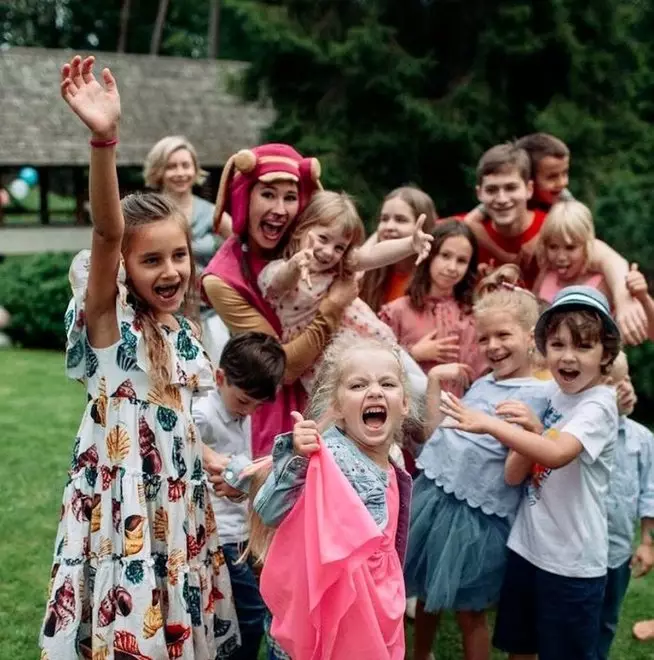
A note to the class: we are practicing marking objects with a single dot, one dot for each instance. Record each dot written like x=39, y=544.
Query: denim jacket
x=284, y=485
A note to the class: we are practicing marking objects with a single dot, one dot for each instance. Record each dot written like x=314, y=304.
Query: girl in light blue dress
x=462, y=508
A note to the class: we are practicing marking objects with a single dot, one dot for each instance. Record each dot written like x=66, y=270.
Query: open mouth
x=167, y=291
x=374, y=417
x=322, y=261
x=569, y=375
x=497, y=359
x=272, y=230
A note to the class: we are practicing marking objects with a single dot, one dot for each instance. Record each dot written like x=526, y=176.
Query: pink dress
x=332, y=579
x=551, y=285
x=443, y=316
x=297, y=308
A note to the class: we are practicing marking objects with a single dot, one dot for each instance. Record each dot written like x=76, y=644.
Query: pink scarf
x=332, y=580
x=270, y=419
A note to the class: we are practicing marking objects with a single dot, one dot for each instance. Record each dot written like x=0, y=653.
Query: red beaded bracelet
x=103, y=143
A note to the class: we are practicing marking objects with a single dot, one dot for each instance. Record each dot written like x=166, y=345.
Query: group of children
x=527, y=479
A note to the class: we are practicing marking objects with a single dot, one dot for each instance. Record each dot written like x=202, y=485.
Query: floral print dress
x=138, y=573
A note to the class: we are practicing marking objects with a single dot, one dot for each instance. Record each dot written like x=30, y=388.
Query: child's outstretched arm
x=637, y=287
x=550, y=450
x=288, y=274
x=454, y=372
x=628, y=312
x=371, y=256
x=98, y=107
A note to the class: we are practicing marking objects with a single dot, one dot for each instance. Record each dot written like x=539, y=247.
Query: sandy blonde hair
x=157, y=158
x=140, y=210
x=329, y=209
x=373, y=285
x=569, y=221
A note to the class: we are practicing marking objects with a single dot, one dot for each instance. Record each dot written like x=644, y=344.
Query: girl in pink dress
x=434, y=322
x=565, y=251
x=332, y=575
x=325, y=245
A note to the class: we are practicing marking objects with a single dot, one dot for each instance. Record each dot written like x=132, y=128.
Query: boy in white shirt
x=553, y=589
x=251, y=369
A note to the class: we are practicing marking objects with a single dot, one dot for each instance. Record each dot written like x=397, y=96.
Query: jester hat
x=265, y=163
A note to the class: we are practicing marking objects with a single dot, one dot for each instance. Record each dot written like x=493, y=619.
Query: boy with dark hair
x=508, y=232
x=250, y=373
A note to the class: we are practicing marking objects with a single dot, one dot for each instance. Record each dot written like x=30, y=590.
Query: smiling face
x=180, y=173
x=158, y=264
x=370, y=400
x=574, y=354
x=329, y=246
x=566, y=257
x=396, y=220
x=551, y=178
x=505, y=196
x=273, y=206
x=449, y=265
x=505, y=344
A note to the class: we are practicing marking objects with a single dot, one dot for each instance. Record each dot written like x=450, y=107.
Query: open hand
x=516, y=412
x=420, y=240
x=306, y=437
x=464, y=419
x=97, y=106
x=431, y=347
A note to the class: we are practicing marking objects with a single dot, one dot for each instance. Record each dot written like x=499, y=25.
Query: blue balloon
x=29, y=175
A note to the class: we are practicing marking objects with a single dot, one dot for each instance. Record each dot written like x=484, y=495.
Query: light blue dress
x=462, y=508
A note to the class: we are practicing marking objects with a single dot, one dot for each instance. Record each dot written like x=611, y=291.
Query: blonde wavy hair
x=329, y=209
x=141, y=210
x=570, y=222
x=157, y=158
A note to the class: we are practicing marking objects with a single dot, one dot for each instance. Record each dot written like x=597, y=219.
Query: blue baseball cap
x=576, y=298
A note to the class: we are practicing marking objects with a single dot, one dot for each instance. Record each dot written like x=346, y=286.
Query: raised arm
x=98, y=107
x=628, y=312
x=638, y=288
x=377, y=255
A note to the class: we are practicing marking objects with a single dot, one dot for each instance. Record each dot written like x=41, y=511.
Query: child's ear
x=220, y=377
x=478, y=192
x=405, y=405
x=530, y=189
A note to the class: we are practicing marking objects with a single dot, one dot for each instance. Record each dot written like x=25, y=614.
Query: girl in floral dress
x=138, y=572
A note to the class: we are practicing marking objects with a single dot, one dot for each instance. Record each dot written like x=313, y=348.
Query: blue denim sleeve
x=284, y=484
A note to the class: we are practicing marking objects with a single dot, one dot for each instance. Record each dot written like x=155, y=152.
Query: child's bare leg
x=424, y=629
x=476, y=636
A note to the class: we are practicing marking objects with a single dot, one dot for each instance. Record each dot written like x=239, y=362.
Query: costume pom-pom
x=245, y=161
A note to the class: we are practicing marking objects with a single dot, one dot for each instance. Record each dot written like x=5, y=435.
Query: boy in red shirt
x=508, y=230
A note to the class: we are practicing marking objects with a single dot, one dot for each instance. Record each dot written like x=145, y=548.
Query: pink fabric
x=443, y=316
x=269, y=419
x=332, y=580
x=550, y=285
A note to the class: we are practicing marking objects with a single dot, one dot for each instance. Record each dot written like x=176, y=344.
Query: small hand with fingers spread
x=431, y=347
x=465, y=419
x=96, y=105
x=306, y=437
x=636, y=283
x=456, y=372
x=421, y=241
x=516, y=412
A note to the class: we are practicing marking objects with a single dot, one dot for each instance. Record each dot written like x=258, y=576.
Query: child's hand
x=627, y=398
x=643, y=560
x=223, y=489
x=431, y=347
x=421, y=241
x=214, y=463
x=636, y=283
x=97, y=106
x=465, y=419
x=301, y=261
x=343, y=291
x=516, y=412
x=455, y=371
x=305, y=435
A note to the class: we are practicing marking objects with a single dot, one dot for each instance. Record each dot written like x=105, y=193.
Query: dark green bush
x=34, y=289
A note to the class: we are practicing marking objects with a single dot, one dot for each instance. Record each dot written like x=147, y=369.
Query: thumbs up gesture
x=421, y=241
x=636, y=283
x=306, y=436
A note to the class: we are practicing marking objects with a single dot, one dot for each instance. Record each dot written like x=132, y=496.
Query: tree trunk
x=124, y=23
x=213, y=37
x=155, y=44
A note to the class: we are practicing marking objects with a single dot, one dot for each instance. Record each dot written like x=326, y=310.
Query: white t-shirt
x=561, y=524
x=225, y=434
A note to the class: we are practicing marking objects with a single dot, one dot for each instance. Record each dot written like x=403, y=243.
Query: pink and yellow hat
x=266, y=163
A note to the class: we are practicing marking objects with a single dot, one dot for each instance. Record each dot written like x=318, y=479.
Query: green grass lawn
x=39, y=411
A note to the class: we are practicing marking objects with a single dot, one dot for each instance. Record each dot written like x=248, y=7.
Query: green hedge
x=34, y=289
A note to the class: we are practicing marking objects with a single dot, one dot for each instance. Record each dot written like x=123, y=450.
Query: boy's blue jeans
x=617, y=582
x=250, y=608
